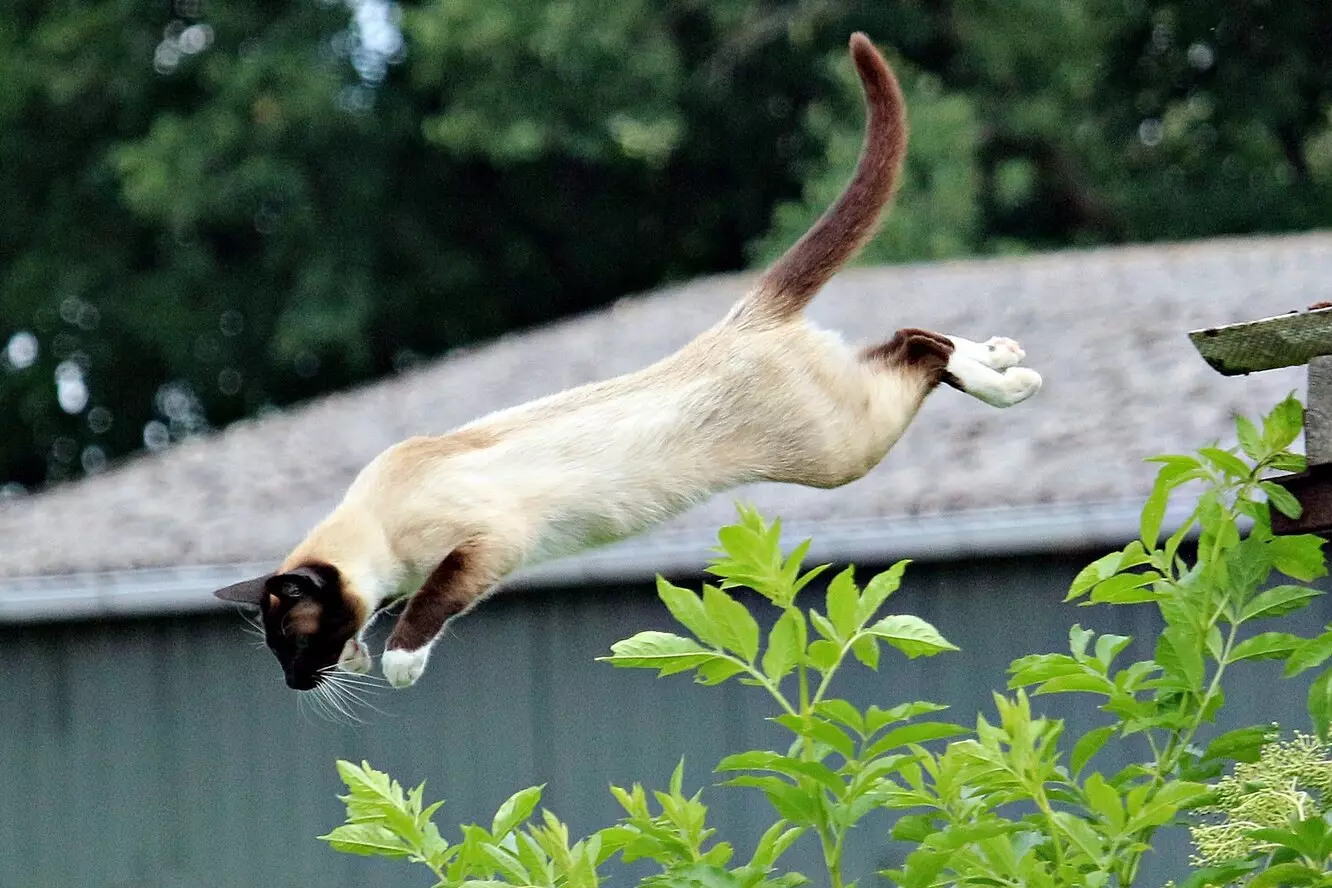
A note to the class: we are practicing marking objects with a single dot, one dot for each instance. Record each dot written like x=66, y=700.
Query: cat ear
x=247, y=592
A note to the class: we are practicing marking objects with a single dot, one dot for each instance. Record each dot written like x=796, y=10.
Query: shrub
x=1011, y=802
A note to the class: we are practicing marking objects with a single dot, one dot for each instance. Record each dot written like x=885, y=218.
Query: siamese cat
x=761, y=396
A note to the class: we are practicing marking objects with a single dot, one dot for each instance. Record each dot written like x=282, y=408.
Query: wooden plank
x=1288, y=340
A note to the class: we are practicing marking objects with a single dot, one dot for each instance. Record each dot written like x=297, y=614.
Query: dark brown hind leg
x=921, y=350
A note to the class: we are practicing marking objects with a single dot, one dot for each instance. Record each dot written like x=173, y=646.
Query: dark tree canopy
x=211, y=209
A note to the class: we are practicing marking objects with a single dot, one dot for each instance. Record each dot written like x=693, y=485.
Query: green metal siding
x=166, y=753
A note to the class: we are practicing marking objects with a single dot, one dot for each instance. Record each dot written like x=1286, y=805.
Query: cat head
x=308, y=618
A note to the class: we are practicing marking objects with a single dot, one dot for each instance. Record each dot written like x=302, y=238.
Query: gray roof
x=1106, y=327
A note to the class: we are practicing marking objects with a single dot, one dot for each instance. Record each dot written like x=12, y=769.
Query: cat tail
x=789, y=284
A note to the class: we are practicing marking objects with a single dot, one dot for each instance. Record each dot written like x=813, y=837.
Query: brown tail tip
x=871, y=67
x=793, y=279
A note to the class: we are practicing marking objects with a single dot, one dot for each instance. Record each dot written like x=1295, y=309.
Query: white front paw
x=355, y=657
x=1020, y=383
x=403, y=668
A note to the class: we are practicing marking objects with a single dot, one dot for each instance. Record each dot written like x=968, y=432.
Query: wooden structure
x=1289, y=340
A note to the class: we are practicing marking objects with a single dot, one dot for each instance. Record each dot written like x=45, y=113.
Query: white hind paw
x=403, y=668
x=1019, y=384
x=1004, y=353
x=997, y=352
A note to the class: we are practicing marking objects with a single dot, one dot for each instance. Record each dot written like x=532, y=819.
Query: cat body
x=763, y=395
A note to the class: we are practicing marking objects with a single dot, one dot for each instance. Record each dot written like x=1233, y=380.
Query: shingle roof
x=1106, y=328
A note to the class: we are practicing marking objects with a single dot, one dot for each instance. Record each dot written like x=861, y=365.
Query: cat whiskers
x=345, y=692
x=253, y=628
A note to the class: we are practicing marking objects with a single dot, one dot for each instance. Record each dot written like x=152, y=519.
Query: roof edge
x=1012, y=530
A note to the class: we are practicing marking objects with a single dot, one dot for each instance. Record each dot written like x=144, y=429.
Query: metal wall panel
x=166, y=753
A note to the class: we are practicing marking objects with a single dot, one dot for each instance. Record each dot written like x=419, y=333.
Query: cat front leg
x=459, y=581
x=355, y=657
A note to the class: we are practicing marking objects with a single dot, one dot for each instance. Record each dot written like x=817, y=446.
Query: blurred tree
x=207, y=209
x=1091, y=121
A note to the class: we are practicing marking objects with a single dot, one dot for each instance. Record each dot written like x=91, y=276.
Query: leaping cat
x=761, y=396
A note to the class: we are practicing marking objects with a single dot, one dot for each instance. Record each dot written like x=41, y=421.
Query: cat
x=761, y=396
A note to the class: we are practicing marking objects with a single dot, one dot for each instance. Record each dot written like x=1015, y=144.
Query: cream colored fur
x=761, y=396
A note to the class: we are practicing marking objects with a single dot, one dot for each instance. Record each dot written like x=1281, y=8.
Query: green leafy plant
x=1010, y=802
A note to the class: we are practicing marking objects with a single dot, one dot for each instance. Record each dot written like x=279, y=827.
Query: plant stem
x=1043, y=803
x=832, y=857
x=1179, y=741
x=837, y=664
x=768, y=686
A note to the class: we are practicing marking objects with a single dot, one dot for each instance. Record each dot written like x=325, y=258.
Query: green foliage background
x=207, y=209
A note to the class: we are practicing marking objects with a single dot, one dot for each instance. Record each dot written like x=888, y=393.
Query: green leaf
x=773, y=844
x=808, y=577
x=369, y=839
x=1104, y=800
x=1265, y=646
x=1126, y=588
x=662, y=651
x=877, y=591
x=822, y=654
x=823, y=626
x=1153, y=511
x=1087, y=746
x=876, y=718
x=516, y=808
x=744, y=544
x=1166, y=803
x=1178, y=651
x=1281, y=499
x=1241, y=745
x=1083, y=836
x=762, y=760
x=911, y=635
x=1108, y=647
x=915, y=733
x=1226, y=461
x=1288, y=462
x=786, y=643
x=1101, y=569
x=506, y=863
x=732, y=623
x=1278, y=601
x=915, y=828
x=844, y=713
x=717, y=670
x=1320, y=703
x=843, y=602
x=1300, y=557
x=1087, y=682
x=1078, y=640
x=824, y=732
x=1311, y=653
x=1036, y=668
x=794, y=803
x=866, y=650
x=1221, y=874
x=1285, y=874
x=687, y=608
x=1250, y=439
x=1283, y=425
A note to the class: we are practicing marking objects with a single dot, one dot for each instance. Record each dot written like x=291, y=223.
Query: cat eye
x=289, y=591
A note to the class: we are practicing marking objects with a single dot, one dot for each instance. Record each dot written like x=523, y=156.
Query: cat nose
x=300, y=682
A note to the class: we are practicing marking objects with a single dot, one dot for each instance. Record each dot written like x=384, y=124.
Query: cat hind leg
x=989, y=371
